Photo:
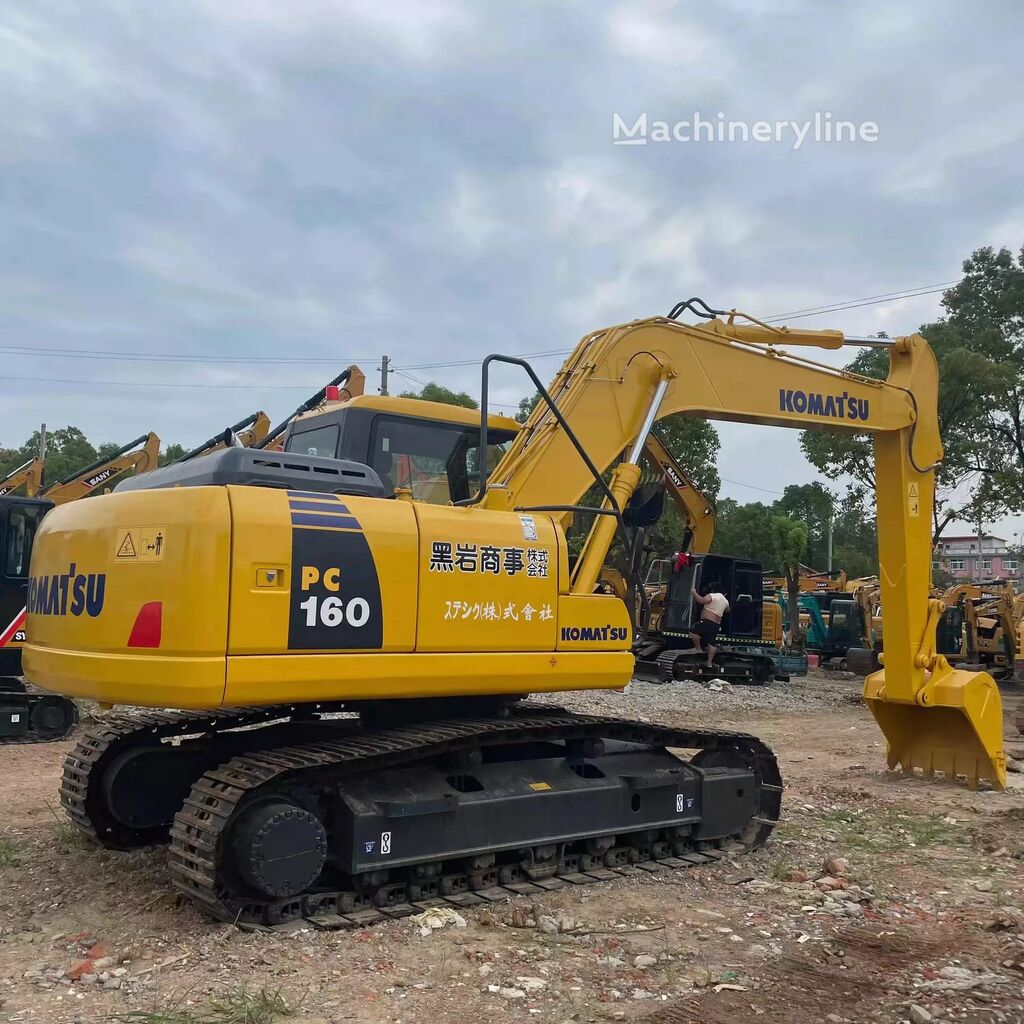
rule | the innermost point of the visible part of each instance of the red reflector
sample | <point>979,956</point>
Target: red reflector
<point>332,392</point>
<point>146,631</point>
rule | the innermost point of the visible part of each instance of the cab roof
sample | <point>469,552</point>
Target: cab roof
<point>414,407</point>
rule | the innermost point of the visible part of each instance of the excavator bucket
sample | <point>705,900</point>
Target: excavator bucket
<point>957,729</point>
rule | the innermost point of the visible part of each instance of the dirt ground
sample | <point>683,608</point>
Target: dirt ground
<point>927,923</point>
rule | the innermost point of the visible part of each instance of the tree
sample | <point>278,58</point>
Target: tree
<point>812,504</point>
<point>170,454</point>
<point>744,531</point>
<point>986,315</point>
<point>526,407</point>
<point>67,451</point>
<point>434,392</point>
<point>790,540</point>
<point>979,345</point>
<point>854,535</point>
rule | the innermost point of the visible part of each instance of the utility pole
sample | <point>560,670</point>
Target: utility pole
<point>385,362</point>
<point>829,537</point>
<point>42,455</point>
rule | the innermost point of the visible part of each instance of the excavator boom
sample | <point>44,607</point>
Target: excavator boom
<point>142,455</point>
<point>618,381</point>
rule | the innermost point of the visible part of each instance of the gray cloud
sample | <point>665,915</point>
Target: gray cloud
<point>338,180</point>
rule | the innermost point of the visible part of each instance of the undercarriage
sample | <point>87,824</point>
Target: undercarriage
<point>276,814</point>
<point>27,717</point>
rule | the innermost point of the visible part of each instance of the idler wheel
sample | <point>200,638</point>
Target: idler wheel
<point>52,716</point>
<point>280,849</point>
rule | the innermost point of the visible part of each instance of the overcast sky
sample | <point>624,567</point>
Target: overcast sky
<point>331,181</point>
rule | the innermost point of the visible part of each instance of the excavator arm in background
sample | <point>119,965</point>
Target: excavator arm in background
<point>29,475</point>
<point>697,512</point>
<point>619,381</point>
<point>248,432</point>
<point>142,455</point>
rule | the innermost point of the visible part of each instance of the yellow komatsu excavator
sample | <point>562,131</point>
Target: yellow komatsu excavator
<point>326,585</point>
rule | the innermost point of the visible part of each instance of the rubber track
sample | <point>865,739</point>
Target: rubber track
<point>116,731</point>
<point>200,824</point>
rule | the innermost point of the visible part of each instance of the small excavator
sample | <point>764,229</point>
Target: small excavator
<point>333,585</point>
<point>982,627</point>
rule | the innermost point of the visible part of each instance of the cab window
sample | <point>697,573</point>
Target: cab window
<point>20,532</point>
<point>322,441</point>
<point>437,462</point>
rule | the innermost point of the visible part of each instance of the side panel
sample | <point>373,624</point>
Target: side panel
<point>321,572</point>
<point>302,677</point>
<point>593,622</point>
<point>488,580</point>
<point>128,598</point>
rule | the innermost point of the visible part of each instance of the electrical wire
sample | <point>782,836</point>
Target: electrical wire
<point>174,357</point>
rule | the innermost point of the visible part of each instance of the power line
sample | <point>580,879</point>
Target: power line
<point>925,289</point>
<point>853,305</point>
<point>163,384</point>
<point>177,357</point>
<point>739,483</point>
<point>170,357</point>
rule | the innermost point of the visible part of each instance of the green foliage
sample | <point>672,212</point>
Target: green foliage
<point>789,538</point>
<point>745,531</point>
<point>239,1007</point>
<point>8,852</point>
<point>170,454</point>
<point>434,392</point>
<point>526,407</point>
<point>68,450</point>
<point>979,345</point>
<point>811,504</point>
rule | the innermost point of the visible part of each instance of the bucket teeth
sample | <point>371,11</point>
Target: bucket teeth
<point>957,734</point>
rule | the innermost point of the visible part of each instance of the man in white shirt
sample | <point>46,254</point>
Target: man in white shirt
<point>702,635</point>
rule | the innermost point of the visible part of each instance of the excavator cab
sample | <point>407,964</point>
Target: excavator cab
<point>405,443</point>
<point>19,520</point>
<point>738,579</point>
<point>949,634</point>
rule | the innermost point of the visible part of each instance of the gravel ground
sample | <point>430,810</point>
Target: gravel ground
<point>880,898</point>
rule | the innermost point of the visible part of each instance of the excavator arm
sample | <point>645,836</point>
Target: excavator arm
<point>698,513</point>
<point>29,475</point>
<point>248,432</point>
<point>105,470</point>
<point>620,381</point>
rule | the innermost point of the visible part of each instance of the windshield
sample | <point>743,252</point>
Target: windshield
<point>436,461</point>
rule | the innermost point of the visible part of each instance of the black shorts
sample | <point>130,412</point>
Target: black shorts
<point>706,630</point>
